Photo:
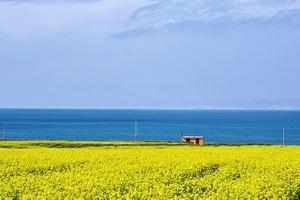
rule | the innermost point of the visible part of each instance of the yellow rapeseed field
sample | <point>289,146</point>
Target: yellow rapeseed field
<point>120,171</point>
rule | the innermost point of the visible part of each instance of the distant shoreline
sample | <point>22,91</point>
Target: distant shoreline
<point>87,144</point>
<point>155,109</point>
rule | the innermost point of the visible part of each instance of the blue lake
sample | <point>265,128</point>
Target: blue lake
<point>217,126</point>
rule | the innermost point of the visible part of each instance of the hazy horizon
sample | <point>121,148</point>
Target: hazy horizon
<point>159,108</point>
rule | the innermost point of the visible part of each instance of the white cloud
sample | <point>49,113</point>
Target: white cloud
<point>67,18</point>
<point>44,18</point>
<point>169,12</point>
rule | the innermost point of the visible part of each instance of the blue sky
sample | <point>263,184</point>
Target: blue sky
<point>150,54</point>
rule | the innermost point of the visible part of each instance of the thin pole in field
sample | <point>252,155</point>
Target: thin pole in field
<point>283,135</point>
<point>135,130</point>
<point>3,131</point>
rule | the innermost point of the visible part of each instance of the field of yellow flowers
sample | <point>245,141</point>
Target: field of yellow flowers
<point>147,171</point>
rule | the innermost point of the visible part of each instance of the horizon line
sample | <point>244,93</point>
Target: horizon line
<point>283,108</point>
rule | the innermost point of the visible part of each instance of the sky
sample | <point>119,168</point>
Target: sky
<point>197,54</point>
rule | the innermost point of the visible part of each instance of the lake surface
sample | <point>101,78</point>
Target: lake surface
<point>217,126</point>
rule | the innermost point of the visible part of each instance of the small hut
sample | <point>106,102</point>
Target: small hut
<point>198,140</point>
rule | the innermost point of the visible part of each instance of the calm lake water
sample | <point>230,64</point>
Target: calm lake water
<point>215,125</point>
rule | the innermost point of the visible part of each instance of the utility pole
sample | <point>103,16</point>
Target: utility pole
<point>135,130</point>
<point>283,136</point>
<point>3,131</point>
